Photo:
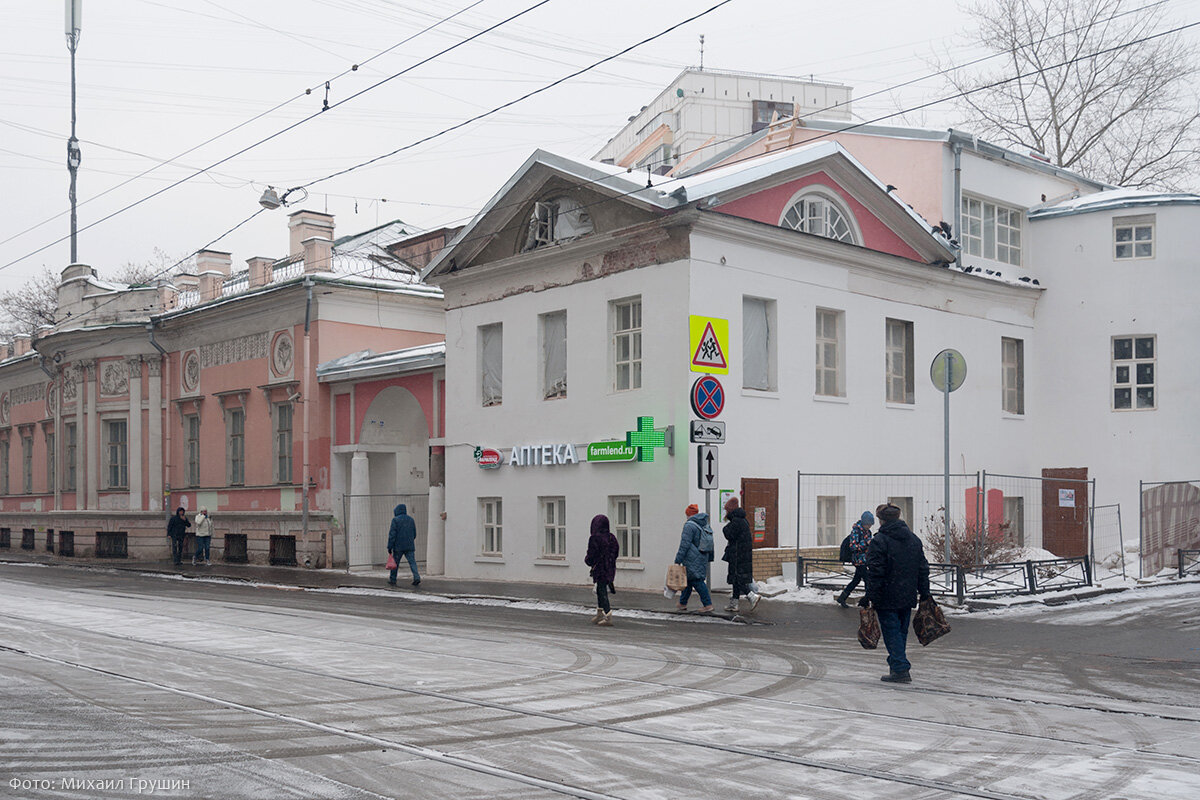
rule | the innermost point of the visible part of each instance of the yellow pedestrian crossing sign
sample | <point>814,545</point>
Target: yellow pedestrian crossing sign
<point>709,344</point>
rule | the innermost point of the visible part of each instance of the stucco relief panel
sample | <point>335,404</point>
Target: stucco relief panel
<point>283,354</point>
<point>51,399</point>
<point>191,371</point>
<point>114,378</point>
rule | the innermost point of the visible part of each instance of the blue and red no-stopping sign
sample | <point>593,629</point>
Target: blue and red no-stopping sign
<point>708,398</point>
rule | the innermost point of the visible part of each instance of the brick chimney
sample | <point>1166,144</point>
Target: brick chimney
<point>187,281</point>
<point>305,225</point>
<point>210,285</point>
<point>168,295</point>
<point>318,254</point>
<point>214,261</point>
<point>21,343</point>
<point>260,270</point>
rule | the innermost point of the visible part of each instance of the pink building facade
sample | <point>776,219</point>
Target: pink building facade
<point>202,391</point>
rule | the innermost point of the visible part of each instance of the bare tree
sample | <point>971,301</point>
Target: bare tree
<point>33,304</point>
<point>137,273</point>
<point>1082,83</point>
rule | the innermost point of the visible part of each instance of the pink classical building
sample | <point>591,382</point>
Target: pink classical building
<point>202,390</point>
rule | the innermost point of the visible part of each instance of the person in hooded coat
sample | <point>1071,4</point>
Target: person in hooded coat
<point>860,538</point>
<point>402,542</point>
<point>897,575</point>
<point>739,553</point>
<point>695,552</point>
<point>602,551</point>
<point>177,529</point>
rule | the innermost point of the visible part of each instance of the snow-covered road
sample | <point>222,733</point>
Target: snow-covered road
<point>116,681</point>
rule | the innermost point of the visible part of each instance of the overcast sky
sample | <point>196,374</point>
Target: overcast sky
<point>159,77</point>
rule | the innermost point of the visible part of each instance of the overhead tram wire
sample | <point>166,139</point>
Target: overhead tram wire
<point>240,125</point>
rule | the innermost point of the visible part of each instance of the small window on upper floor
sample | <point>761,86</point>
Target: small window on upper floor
<point>820,214</point>
<point>990,230</point>
<point>558,219</point>
<point>1133,238</point>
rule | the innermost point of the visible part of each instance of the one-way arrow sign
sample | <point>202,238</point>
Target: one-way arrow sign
<point>706,467</point>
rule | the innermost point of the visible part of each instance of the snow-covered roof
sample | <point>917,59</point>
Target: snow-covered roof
<point>366,363</point>
<point>1112,199</point>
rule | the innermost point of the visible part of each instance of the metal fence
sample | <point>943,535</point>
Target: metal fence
<point>981,580</point>
<point>367,518</point>
<point>1189,562</point>
<point>1046,512</point>
<point>1108,538</point>
<point>1168,521</point>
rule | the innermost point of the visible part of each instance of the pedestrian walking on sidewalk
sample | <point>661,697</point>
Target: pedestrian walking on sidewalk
<point>203,538</point>
<point>857,541</point>
<point>402,541</point>
<point>177,529</point>
<point>695,552</point>
<point>602,551</point>
<point>897,575</point>
<point>739,554</point>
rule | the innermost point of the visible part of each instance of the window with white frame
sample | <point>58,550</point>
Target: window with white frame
<point>283,443</point>
<point>491,519</point>
<point>899,345</point>
<point>905,504</point>
<point>553,514</point>
<point>627,343</point>
<point>991,230</point>
<point>819,214</point>
<point>1133,371</point>
<point>491,364</point>
<point>829,520</point>
<point>191,432</point>
<point>51,462</point>
<point>1012,367</point>
<point>27,464</point>
<point>758,344</point>
<point>235,445</point>
<point>626,516</point>
<point>69,457</point>
<point>553,328</point>
<point>1014,520</point>
<point>1133,238</point>
<point>830,359</point>
<point>116,450</point>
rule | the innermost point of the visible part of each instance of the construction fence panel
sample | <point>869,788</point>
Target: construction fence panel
<point>1108,538</point>
<point>368,517</point>
<point>1168,521</point>
<point>1044,512</point>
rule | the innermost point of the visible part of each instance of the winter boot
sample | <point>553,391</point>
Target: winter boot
<point>897,677</point>
<point>841,600</point>
<point>753,597</point>
<point>598,616</point>
<point>605,619</point>
<point>732,605</point>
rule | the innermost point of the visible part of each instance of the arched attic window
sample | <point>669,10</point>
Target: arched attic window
<point>557,219</point>
<point>819,213</point>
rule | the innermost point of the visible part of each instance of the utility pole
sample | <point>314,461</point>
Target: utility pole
<point>74,21</point>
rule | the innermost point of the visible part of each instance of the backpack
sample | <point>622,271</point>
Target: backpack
<point>706,543</point>
<point>844,554</point>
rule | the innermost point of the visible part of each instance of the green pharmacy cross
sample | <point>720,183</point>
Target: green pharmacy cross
<point>645,438</point>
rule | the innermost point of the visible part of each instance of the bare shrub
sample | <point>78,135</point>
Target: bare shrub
<point>970,544</point>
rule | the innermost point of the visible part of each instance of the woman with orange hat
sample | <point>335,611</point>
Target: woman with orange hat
<point>695,551</point>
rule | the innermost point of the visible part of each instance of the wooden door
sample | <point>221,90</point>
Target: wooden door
<point>1065,511</point>
<point>760,498</point>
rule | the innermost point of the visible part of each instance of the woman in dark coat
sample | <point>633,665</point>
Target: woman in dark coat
<point>602,553</point>
<point>177,529</point>
<point>739,554</point>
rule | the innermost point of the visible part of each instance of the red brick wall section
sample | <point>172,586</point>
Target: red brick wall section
<point>768,561</point>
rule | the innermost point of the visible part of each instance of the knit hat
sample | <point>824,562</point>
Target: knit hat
<point>889,513</point>
<point>867,518</point>
<point>692,510</point>
<point>731,504</point>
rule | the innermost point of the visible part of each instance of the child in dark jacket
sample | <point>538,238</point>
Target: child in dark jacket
<point>602,553</point>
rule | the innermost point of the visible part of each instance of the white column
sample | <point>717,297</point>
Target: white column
<point>155,488</point>
<point>135,434</point>
<point>358,526</point>
<point>435,550</point>
<point>94,445</point>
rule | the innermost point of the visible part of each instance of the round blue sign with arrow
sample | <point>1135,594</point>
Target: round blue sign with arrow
<point>708,398</point>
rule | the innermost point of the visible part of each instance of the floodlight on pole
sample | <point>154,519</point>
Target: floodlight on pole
<point>72,27</point>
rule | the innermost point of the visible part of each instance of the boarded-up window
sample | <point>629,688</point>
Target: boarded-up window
<point>491,363</point>
<point>554,354</point>
<point>757,343</point>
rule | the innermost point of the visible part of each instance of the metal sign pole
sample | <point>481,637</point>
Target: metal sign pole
<point>946,401</point>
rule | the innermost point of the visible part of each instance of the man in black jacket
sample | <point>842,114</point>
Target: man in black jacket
<point>897,574</point>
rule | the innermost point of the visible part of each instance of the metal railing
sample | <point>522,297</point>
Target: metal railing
<point>980,580</point>
<point>1189,562</point>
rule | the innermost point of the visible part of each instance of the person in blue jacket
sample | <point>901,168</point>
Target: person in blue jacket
<point>695,551</point>
<point>860,537</point>
<point>402,541</point>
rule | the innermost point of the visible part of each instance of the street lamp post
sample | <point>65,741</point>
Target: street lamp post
<point>74,18</point>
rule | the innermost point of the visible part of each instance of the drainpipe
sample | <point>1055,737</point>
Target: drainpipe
<point>957,226</point>
<point>305,400</point>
